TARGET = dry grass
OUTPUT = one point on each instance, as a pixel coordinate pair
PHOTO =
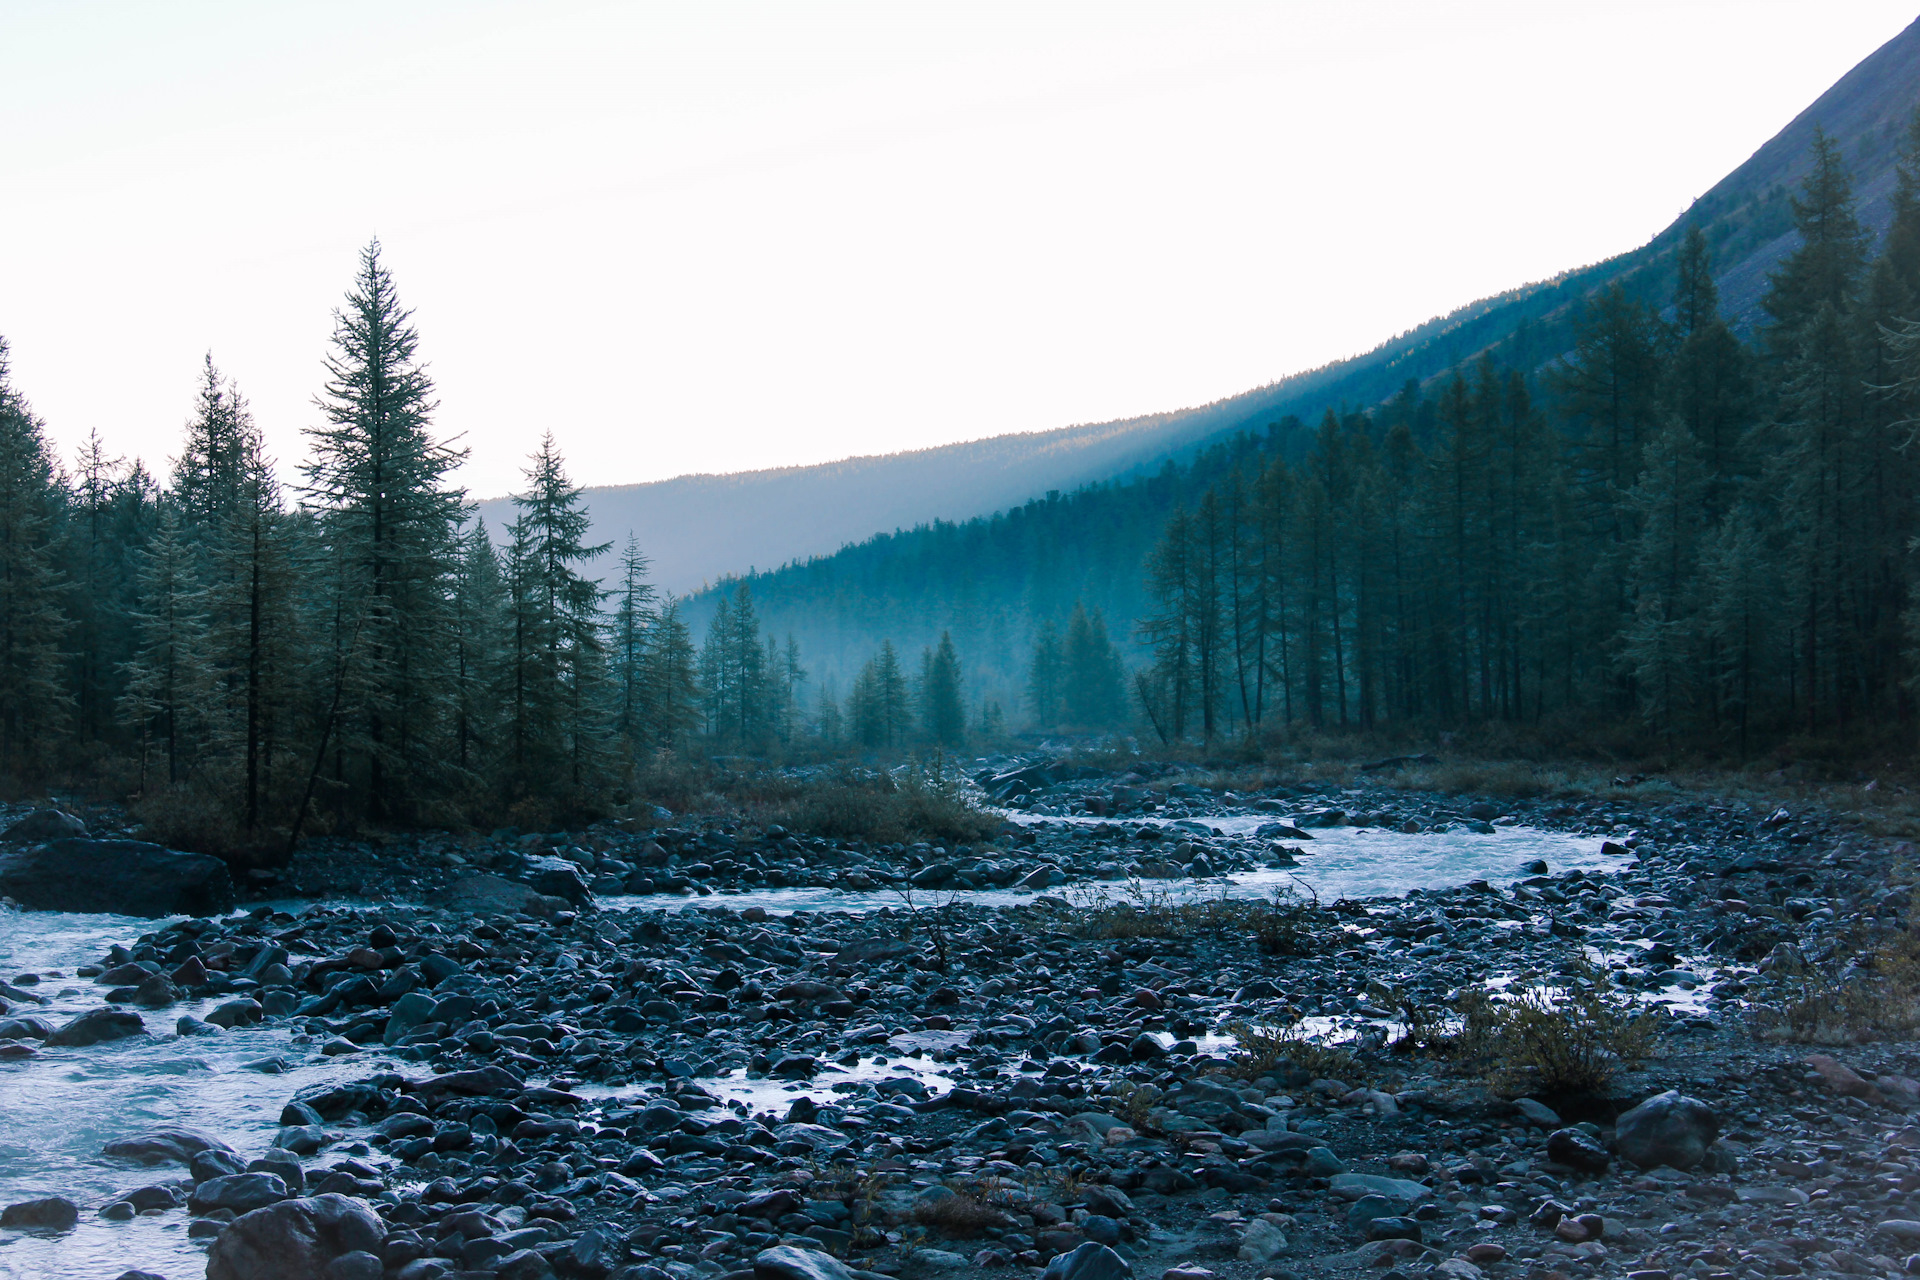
(194, 817)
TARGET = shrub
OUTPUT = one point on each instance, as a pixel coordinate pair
(1265, 1049)
(1873, 991)
(195, 818)
(960, 1216)
(880, 808)
(1280, 926)
(1571, 1039)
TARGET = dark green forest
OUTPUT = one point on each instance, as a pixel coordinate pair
(1682, 533)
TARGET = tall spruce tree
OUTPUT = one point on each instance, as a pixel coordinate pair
(378, 483)
(479, 652)
(671, 685)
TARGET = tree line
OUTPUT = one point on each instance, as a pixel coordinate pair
(253, 658)
(1708, 537)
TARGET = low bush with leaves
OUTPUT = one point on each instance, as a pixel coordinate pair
(1869, 990)
(1267, 1049)
(921, 803)
(1572, 1038)
(1282, 925)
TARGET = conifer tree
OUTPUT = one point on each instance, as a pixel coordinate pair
(1661, 641)
(169, 684)
(249, 549)
(1093, 676)
(478, 658)
(1046, 677)
(943, 715)
(1824, 271)
(34, 702)
(107, 521)
(633, 622)
(877, 707)
(1710, 377)
(378, 482)
(671, 686)
(556, 732)
(733, 670)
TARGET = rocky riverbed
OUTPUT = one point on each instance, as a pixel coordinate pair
(617, 1053)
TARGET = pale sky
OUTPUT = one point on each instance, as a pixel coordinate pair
(713, 236)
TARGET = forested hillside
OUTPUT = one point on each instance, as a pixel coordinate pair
(995, 582)
(703, 528)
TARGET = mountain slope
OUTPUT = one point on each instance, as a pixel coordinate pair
(994, 580)
(699, 528)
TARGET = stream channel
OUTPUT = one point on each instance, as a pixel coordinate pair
(61, 1106)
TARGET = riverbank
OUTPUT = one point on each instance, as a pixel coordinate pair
(1121, 1053)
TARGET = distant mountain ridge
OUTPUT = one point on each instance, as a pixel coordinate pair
(700, 528)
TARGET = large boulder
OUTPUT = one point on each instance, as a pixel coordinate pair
(42, 825)
(481, 894)
(1669, 1128)
(125, 877)
(95, 1026)
(294, 1239)
(558, 878)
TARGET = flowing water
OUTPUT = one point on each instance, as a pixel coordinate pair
(1339, 862)
(59, 1108)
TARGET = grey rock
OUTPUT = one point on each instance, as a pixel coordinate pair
(236, 1013)
(786, 1262)
(240, 1192)
(357, 1265)
(1352, 1186)
(124, 877)
(42, 825)
(158, 1146)
(409, 1011)
(1537, 1113)
(1393, 1228)
(1322, 1163)
(215, 1163)
(482, 894)
(96, 1026)
(52, 1213)
(1091, 1261)
(294, 1239)
(1669, 1128)
(1577, 1150)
